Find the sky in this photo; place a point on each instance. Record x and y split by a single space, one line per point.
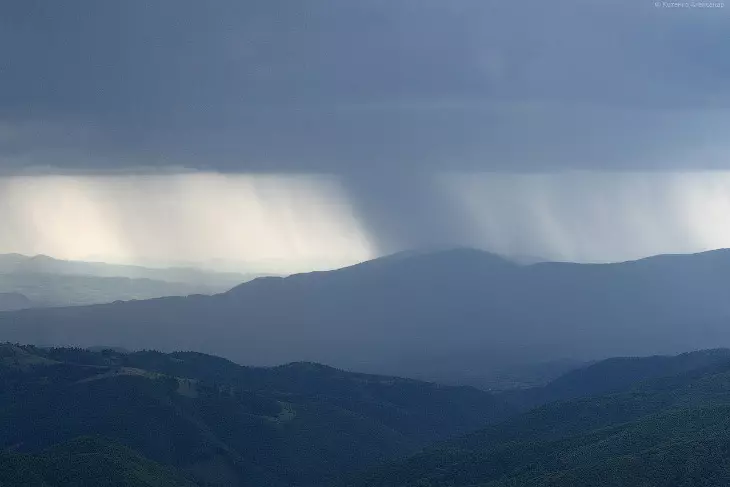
328 131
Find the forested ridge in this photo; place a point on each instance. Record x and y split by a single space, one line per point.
223 424
72 416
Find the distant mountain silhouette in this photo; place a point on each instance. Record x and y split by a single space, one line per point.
52 282
43 264
14 301
423 314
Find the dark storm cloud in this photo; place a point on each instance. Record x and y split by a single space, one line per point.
380 93
330 86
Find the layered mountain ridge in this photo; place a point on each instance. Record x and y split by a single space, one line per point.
424 315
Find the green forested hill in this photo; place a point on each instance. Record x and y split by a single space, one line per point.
669 431
615 375
300 424
173 419
86 462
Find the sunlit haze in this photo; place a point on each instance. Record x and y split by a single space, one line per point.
276 224
299 223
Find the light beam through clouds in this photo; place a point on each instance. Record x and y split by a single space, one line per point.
298 223
281 224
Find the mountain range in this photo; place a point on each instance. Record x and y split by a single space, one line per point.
216 422
45 282
666 428
432 315
43 264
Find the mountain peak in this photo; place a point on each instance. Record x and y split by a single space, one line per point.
448 255
426 263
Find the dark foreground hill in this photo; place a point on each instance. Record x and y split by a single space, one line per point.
222 424
423 315
666 423
75 417
86 461
615 375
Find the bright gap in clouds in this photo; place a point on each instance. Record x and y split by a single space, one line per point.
233 222
298 223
